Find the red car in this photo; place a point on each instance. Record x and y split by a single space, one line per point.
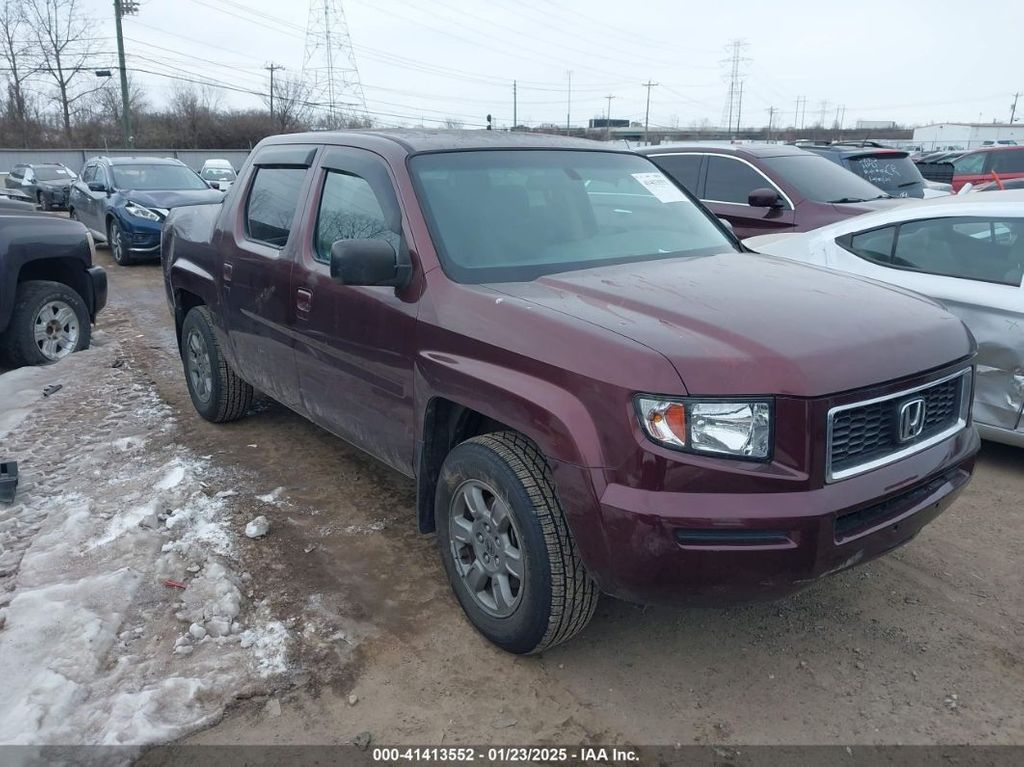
768 188
591 385
977 166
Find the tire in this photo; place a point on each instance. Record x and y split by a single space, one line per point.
43 202
217 392
118 245
555 598
50 321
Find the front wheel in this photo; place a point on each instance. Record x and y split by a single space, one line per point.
217 392
508 552
49 322
118 245
44 203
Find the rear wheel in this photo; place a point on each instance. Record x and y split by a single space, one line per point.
49 322
217 392
43 202
508 552
118 244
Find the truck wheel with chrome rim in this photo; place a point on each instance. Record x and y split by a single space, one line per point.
119 245
217 392
506 547
49 322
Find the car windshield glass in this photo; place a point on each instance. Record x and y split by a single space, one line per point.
821 180
162 177
892 173
218 174
508 216
54 174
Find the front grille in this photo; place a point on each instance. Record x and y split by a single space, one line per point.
865 435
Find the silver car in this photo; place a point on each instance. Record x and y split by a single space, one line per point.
966 252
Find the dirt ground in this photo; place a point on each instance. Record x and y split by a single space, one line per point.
923 646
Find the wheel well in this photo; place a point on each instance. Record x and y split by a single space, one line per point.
445 425
184 302
68 271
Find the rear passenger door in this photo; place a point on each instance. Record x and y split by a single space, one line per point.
355 346
257 266
728 182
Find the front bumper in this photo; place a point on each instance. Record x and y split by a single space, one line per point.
57 199
720 548
98 282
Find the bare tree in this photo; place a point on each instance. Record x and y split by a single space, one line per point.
62 34
15 51
292 105
195 110
108 100
452 123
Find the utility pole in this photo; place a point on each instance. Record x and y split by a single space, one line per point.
608 119
771 117
647 114
272 67
1013 107
515 106
739 109
124 8
568 104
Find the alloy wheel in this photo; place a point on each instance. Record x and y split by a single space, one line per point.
56 330
200 371
486 548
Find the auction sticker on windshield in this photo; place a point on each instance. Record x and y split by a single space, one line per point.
658 185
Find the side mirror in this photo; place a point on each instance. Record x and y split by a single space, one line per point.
213 184
764 198
727 224
368 262
97 186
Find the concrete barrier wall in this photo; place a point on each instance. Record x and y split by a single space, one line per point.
75 158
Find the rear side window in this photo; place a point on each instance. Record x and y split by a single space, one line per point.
875 245
683 168
730 180
273 198
970 164
349 210
89 174
1011 161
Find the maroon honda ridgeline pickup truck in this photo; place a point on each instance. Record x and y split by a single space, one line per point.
593 386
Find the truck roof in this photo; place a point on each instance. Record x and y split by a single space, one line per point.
424 140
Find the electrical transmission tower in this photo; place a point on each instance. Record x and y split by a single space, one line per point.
329 65
734 98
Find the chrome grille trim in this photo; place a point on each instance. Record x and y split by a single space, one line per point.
966 393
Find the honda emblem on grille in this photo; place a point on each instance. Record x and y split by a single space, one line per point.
911 419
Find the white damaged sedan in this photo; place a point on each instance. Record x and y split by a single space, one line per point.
966 252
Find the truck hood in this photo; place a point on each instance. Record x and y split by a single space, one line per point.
741 323
173 198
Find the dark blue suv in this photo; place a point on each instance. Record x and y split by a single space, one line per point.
124 201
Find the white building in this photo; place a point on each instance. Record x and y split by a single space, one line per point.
967 135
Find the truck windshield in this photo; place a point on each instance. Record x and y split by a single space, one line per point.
155 177
510 216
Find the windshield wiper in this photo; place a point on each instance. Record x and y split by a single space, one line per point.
906 184
848 199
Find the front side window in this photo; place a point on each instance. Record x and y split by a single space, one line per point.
154 177
990 250
273 198
349 210
730 180
1010 161
506 216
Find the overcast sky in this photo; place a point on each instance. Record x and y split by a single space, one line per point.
913 61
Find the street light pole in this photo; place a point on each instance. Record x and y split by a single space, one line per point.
123 8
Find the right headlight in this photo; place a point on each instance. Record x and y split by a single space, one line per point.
737 428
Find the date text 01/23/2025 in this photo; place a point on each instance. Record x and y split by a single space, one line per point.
457 754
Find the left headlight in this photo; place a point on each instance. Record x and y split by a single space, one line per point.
140 211
737 428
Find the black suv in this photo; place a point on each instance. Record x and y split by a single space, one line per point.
891 170
46 183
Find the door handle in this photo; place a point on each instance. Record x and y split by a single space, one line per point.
228 269
303 300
